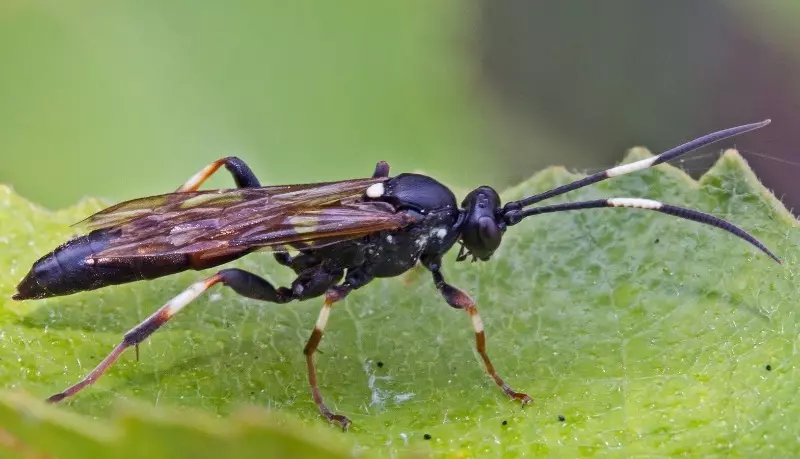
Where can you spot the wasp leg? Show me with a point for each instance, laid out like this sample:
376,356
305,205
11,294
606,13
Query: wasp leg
355,279
242,282
283,258
298,263
461,300
381,170
242,175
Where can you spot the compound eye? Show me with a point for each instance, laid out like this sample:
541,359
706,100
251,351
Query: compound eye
489,233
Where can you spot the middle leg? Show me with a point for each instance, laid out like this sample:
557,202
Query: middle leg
355,279
298,263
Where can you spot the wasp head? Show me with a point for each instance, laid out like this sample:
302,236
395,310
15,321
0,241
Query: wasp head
482,226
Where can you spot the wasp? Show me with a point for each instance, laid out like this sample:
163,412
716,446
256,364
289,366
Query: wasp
336,236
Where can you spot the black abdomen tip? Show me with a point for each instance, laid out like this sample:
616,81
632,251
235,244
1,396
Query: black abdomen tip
56,398
64,270
29,289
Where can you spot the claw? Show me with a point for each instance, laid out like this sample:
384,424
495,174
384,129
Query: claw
343,421
524,399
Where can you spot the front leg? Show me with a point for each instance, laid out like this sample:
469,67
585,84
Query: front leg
461,300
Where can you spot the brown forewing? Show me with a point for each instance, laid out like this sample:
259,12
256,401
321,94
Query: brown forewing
268,218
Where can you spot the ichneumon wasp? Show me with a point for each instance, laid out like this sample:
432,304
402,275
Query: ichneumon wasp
336,236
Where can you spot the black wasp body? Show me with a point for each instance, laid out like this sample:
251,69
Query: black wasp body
432,207
335,236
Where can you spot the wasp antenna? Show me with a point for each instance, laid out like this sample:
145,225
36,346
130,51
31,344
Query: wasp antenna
636,166
514,217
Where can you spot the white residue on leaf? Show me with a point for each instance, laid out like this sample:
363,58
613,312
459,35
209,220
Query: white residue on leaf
380,396
400,398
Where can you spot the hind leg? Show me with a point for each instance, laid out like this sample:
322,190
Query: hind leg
241,172
242,282
244,176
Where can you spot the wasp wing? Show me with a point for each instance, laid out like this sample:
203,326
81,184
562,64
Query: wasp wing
208,223
196,202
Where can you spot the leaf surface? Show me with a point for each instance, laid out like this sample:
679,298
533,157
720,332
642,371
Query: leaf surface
649,335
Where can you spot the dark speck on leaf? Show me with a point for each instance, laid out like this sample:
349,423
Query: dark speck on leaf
657,241
561,418
380,364
505,422
769,367
427,436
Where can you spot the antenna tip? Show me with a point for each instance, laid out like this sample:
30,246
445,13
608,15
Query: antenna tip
774,257
756,125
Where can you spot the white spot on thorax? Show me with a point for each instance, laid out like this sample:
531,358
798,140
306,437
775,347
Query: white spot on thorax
375,190
389,239
441,233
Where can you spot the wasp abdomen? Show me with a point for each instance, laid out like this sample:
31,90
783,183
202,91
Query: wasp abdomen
70,269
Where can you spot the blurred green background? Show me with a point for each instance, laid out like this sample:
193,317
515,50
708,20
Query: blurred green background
125,98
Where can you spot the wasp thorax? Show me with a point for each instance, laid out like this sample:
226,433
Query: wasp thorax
481,232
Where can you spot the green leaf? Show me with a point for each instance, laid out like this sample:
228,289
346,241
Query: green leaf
33,429
648,334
